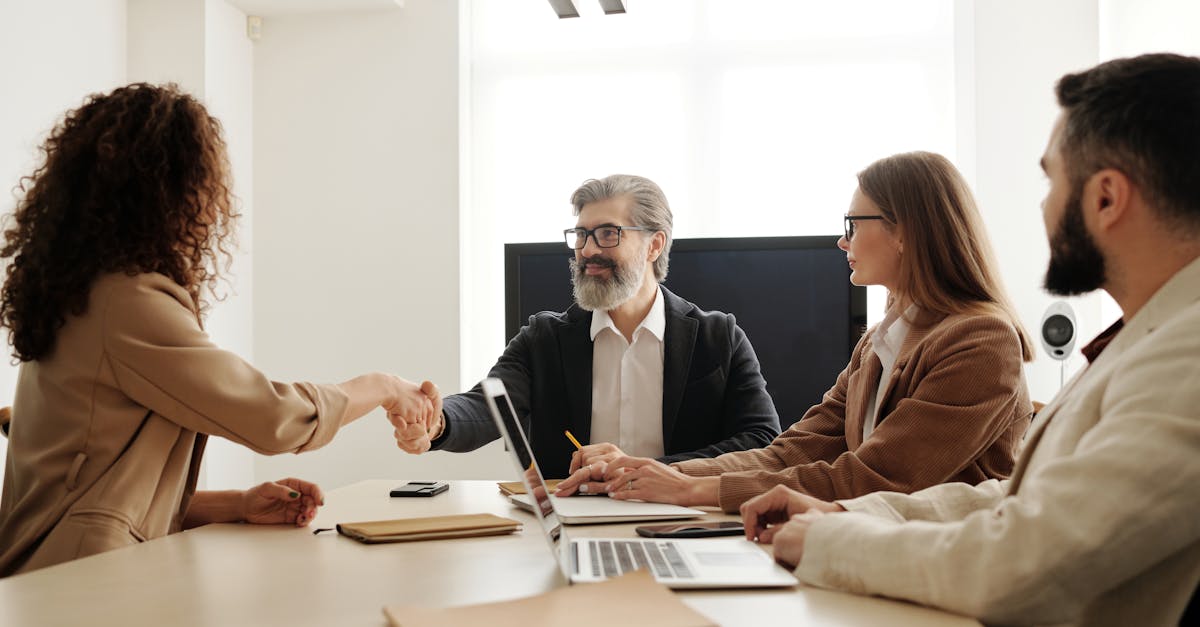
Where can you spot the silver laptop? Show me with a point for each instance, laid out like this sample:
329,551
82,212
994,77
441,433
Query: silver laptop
689,563
586,511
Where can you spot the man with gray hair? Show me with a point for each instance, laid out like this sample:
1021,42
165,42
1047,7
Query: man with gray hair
630,368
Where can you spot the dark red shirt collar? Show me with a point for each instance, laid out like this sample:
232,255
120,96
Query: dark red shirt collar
1097,346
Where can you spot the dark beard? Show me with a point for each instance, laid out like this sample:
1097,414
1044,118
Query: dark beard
1076,264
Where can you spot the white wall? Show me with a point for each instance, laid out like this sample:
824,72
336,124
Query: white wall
52,54
356,215
1017,50
166,43
1132,27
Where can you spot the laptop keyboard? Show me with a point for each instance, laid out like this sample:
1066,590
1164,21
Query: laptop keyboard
614,557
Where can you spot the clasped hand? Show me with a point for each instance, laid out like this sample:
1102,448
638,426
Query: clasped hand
416,415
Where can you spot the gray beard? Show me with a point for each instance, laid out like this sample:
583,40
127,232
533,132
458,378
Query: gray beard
595,293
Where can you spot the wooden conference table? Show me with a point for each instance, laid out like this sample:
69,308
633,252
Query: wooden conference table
273,575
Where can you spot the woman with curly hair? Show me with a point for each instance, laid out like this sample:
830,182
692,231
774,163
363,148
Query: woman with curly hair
116,241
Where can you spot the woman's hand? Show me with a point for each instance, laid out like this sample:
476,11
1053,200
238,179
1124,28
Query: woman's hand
409,403
418,423
287,501
645,479
415,411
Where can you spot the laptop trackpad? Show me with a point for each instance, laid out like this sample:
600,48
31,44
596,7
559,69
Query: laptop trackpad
727,559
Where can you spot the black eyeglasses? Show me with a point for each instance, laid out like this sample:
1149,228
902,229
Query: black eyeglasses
848,223
605,236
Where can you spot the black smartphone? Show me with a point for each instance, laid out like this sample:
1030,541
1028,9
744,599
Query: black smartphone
421,488
692,530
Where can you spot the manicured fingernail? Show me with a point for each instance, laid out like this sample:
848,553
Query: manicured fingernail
293,494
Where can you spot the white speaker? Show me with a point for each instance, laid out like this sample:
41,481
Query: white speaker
1058,330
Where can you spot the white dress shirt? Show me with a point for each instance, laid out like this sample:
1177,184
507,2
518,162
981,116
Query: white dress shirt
886,343
627,383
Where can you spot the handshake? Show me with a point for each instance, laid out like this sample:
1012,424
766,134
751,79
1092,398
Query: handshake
416,414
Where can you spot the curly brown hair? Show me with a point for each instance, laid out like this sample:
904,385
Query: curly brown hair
133,181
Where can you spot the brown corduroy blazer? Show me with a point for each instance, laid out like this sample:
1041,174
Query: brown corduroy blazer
108,431
955,409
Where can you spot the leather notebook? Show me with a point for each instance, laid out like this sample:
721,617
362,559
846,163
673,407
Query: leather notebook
430,528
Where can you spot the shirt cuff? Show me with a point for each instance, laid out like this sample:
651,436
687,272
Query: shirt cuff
872,505
835,554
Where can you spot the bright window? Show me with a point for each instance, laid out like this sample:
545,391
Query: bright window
753,116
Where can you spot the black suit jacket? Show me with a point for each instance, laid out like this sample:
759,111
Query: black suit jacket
714,397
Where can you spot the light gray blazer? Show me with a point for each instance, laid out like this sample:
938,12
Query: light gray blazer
1100,522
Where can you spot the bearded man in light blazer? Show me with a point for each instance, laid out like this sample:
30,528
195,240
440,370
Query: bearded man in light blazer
629,367
1100,522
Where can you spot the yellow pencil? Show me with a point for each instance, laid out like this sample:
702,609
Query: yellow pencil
573,440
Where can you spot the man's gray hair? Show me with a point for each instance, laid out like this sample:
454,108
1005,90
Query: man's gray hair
650,208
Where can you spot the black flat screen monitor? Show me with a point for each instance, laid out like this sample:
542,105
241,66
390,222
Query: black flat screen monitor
791,295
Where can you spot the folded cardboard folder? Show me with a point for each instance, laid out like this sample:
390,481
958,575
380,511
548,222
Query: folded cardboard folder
509,488
631,599
431,528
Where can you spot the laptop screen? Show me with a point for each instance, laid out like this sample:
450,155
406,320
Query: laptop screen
514,438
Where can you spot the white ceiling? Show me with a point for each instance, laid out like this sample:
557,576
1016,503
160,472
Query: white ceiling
267,8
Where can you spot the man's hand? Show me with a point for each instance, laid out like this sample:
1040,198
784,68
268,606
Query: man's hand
789,539
594,454
764,514
587,471
416,416
586,480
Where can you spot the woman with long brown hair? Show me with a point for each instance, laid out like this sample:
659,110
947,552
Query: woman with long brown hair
934,393
113,251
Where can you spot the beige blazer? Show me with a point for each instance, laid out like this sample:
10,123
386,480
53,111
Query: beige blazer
954,409
108,431
1100,523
